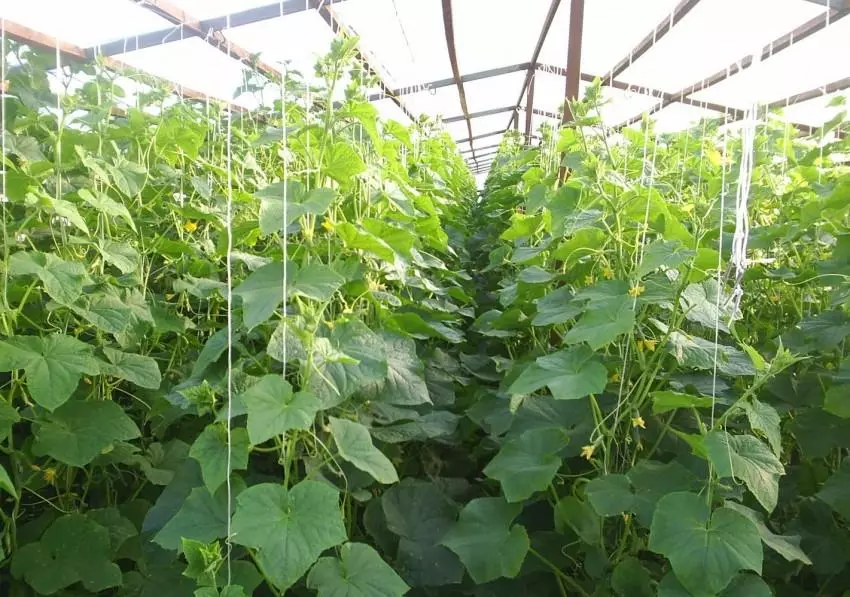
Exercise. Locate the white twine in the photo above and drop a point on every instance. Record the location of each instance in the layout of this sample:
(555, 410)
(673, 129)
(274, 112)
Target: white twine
(742, 220)
(229, 218)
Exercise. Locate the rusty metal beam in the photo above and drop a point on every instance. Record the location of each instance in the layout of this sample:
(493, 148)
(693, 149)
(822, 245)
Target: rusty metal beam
(663, 28)
(213, 37)
(535, 56)
(332, 19)
(573, 56)
(75, 53)
(482, 136)
(449, 28)
(529, 110)
(172, 34)
(439, 83)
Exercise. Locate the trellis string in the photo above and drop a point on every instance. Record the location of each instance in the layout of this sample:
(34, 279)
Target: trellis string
(229, 260)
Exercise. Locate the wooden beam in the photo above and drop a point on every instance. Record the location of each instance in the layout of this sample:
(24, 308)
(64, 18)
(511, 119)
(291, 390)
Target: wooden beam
(213, 37)
(535, 55)
(653, 37)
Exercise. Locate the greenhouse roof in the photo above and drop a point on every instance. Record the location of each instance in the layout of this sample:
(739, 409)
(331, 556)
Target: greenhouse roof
(483, 66)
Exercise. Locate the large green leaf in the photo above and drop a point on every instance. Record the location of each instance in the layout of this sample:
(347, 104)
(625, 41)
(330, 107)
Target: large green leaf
(788, 546)
(570, 374)
(486, 541)
(315, 281)
(63, 280)
(630, 579)
(580, 517)
(556, 307)
(355, 445)
(836, 491)
(273, 408)
(76, 432)
(421, 515)
(73, 549)
(288, 528)
(53, 365)
(298, 203)
(350, 359)
(355, 238)
(405, 382)
(706, 549)
(748, 459)
(666, 400)
(660, 253)
(359, 571)
(211, 451)
(342, 163)
(610, 495)
(200, 517)
(136, 368)
(765, 420)
(261, 293)
(602, 323)
(106, 312)
(107, 206)
(527, 463)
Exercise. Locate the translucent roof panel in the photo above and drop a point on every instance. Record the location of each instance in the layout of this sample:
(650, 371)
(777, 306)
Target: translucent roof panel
(493, 92)
(677, 117)
(813, 61)
(192, 63)
(488, 124)
(713, 35)
(612, 28)
(442, 101)
(83, 23)
(406, 38)
(458, 130)
(300, 39)
(389, 111)
(494, 33)
(619, 105)
(206, 9)
(819, 110)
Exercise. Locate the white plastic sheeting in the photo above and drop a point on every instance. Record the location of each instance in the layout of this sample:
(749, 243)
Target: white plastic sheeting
(404, 40)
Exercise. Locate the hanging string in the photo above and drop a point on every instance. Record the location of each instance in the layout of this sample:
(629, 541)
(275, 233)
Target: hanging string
(3, 197)
(742, 220)
(285, 239)
(229, 259)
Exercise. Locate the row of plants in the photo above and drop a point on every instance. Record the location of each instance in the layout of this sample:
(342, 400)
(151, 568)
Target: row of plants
(170, 424)
(647, 436)
(292, 352)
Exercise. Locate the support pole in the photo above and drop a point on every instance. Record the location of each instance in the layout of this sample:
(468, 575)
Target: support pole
(573, 66)
(529, 110)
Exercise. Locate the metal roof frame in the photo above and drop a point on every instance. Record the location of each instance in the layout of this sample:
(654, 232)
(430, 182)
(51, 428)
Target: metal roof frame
(448, 26)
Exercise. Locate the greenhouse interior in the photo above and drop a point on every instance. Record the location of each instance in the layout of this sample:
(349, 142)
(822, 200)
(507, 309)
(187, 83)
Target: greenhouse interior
(425, 298)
